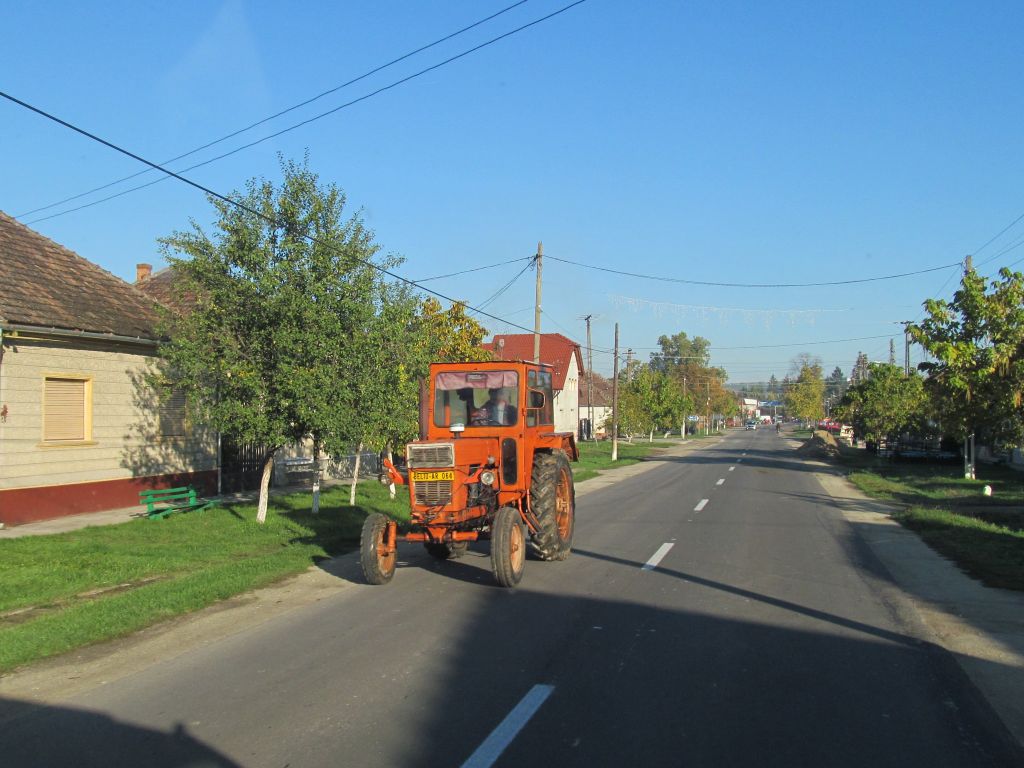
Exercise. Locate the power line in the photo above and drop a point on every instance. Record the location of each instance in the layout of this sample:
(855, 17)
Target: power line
(474, 269)
(261, 216)
(505, 287)
(292, 108)
(999, 234)
(791, 344)
(664, 279)
(290, 128)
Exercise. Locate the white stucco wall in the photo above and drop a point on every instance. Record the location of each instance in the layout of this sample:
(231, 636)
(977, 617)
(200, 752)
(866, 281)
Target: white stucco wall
(124, 440)
(567, 401)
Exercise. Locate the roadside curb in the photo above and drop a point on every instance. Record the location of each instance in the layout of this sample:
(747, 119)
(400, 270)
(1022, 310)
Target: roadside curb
(981, 627)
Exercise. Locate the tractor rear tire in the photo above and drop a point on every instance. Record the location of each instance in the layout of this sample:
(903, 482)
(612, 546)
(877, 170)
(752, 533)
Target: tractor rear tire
(443, 551)
(508, 547)
(378, 565)
(553, 503)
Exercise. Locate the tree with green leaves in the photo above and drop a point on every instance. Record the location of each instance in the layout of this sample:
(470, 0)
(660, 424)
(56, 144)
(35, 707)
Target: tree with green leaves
(650, 400)
(835, 384)
(805, 396)
(285, 306)
(977, 340)
(681, 353)
(886, 404)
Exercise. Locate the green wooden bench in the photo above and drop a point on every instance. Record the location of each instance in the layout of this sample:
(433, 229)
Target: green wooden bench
(165, 501)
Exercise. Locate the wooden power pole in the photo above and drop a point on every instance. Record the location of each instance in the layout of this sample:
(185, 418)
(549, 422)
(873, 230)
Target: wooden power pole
(536, 308)
(590, 380)
(615, 398)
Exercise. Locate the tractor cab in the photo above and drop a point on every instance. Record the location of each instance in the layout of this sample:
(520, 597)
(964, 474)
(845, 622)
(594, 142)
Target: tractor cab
(478, 399)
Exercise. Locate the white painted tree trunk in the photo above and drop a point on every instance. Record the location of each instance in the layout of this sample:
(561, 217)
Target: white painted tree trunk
(391, 483)
(268, 466)
(316, 478)
(650, 437)
(355, 476)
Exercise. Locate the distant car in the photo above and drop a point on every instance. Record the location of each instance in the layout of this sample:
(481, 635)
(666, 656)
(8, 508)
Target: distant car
(750, 425)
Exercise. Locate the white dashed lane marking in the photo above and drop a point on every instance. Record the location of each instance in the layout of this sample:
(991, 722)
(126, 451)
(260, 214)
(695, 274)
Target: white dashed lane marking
(492, 747)
(651, 564)
(700, 505)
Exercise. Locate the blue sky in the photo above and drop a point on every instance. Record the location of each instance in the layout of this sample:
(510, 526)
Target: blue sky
(720, 142)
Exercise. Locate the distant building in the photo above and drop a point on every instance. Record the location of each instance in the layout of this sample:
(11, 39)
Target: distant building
(563, 355)
(602, 409)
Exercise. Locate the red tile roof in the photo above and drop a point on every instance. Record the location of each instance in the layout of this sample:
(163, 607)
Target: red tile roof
(46, 285)
(555, 349)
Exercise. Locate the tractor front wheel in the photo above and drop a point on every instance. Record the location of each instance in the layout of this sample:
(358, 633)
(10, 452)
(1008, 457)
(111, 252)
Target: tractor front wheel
(553, 502)
(377, 551)
(508, 546)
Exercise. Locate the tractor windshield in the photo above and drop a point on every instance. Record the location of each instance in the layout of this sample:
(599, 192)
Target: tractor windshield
(476, 398)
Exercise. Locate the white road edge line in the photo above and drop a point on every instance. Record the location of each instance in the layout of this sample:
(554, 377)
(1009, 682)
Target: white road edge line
(492, 747)
(700, 505)
(657, 556)
(720, 481)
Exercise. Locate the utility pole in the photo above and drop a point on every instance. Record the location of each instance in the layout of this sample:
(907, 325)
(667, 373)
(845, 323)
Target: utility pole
(892, 352)
(969, 439)
(906, 351)
(686, 416)
(707, 418)
(590, 380)
(539, 260)
(615, 398)
(629, 363)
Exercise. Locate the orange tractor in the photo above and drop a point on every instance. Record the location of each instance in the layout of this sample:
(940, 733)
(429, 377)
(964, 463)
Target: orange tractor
(488, 465)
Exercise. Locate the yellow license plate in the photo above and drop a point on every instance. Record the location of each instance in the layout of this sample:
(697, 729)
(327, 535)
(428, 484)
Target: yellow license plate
(419, 477)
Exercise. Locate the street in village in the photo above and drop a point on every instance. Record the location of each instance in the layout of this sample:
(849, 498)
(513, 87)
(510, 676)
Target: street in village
(720, 607)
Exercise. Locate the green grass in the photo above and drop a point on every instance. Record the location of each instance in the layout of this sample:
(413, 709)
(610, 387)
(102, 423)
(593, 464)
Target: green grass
(984, 535)
(73, 589)
(992, 553)
(596, 456)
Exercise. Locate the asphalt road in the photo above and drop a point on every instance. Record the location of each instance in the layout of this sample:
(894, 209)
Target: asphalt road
(753, 632)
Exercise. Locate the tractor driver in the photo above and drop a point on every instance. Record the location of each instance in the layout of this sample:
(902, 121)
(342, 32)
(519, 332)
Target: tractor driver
(496, 411)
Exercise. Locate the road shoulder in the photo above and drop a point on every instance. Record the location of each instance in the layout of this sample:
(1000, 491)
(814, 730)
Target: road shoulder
(982, 627)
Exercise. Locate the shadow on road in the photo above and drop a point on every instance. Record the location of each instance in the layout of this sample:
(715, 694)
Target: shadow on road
(42, 735)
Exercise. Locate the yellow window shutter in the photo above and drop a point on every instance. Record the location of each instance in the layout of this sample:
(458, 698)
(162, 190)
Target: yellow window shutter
(172, 414)
(64, 416)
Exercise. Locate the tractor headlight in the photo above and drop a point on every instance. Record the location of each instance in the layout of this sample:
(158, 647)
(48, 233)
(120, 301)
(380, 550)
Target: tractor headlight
(487, 477)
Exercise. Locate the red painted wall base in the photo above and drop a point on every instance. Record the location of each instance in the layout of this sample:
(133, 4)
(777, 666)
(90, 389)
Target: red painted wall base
(27, 505)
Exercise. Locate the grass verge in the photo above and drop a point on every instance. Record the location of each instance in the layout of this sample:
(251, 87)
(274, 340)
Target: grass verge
(990, 552)
(73, 589)
(984, 535)
(597, 456)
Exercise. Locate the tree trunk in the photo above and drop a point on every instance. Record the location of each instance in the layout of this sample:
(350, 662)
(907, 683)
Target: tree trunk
(650, 437)
(268, 466)
(391, 483)
(355, 476)
(316, 477)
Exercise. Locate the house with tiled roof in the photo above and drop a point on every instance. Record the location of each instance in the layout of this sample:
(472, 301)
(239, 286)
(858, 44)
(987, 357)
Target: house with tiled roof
(81, 426)
(563, 355)
(599, 411)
